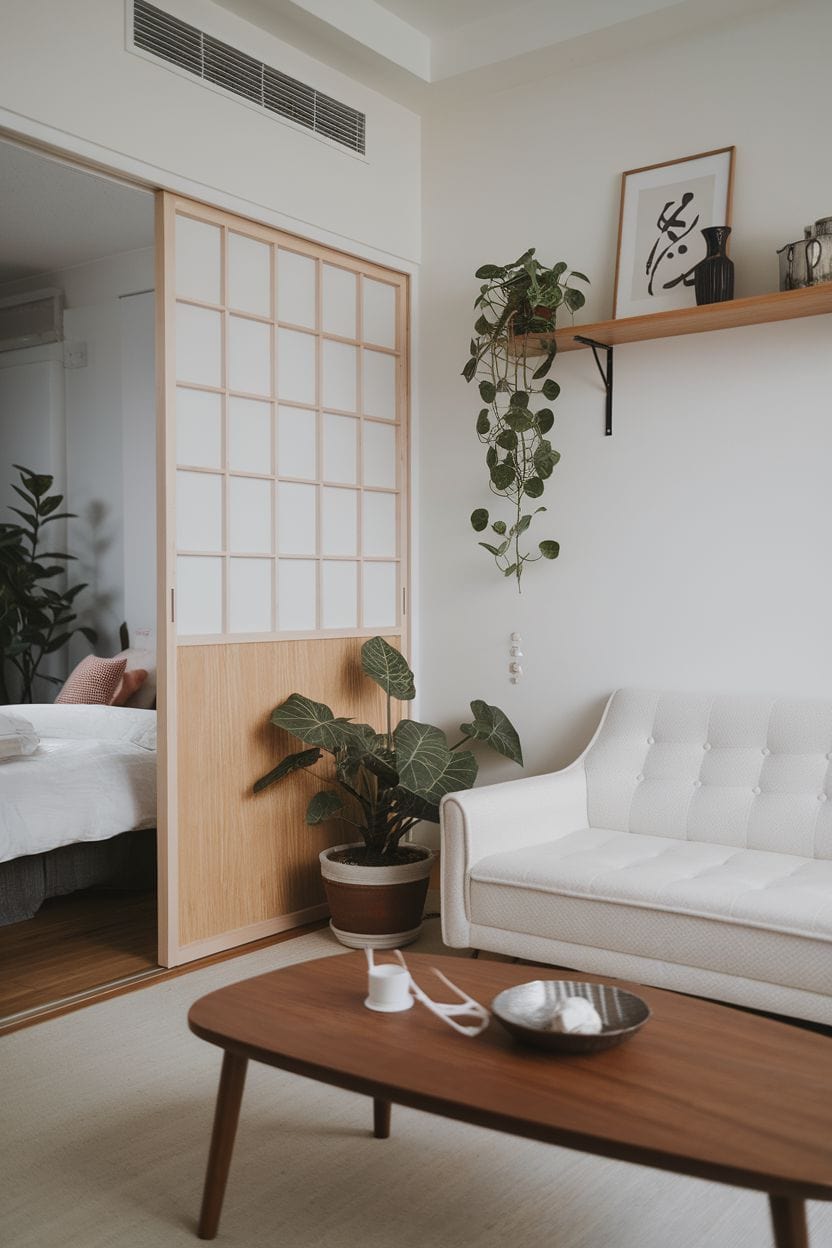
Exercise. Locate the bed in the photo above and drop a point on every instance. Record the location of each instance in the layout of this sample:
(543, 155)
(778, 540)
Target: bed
(78, 810)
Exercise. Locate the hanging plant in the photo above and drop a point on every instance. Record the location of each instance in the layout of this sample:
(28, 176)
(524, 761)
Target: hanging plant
(516, 302)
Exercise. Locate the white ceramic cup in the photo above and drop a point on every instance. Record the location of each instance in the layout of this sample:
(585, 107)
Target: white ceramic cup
(388, 989)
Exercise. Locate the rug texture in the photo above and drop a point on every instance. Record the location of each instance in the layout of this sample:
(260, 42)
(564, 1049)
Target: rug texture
(105, 1117)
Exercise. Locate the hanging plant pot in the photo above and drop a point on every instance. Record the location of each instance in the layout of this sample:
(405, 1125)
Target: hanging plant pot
(376, 907)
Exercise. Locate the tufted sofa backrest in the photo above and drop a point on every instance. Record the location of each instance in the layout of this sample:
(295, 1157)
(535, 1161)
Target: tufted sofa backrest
(752, 772)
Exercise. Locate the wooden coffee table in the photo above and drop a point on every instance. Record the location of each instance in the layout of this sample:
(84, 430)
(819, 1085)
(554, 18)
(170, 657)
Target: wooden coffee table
(703, 1089)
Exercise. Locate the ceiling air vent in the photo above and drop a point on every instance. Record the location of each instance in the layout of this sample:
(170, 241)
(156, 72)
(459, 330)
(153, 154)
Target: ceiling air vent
(181, 44)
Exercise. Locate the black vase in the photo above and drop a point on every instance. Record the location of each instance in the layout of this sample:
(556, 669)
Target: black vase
(714, 277)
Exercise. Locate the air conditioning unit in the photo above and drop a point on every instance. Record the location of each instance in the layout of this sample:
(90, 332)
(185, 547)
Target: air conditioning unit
(31, 319)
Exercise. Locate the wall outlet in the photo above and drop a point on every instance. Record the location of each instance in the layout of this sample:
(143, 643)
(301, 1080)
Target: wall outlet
(75, 355)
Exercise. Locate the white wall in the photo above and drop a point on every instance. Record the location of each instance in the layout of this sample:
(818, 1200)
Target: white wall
(65, 67)
(695, 542)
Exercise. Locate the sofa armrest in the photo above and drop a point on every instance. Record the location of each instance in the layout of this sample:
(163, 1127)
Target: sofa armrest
(479, 822)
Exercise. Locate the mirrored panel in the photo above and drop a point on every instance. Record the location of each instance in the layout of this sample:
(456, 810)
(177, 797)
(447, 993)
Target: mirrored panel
(297, 595)
(339, 293)
(198, 345)
(296, 294)
(199, 594)
(379, 311)
(249, 515)
(249, 435)
(297, 518)
(297, 454)
(338, 375)
(199, 511)
(198, 428)
(379, 384)
(379, 534)
(250, 595)
(339, 594)
(379, 454)
(296, 366)
(339, 521)
(249, 275)
(340, 448)
(198, 260)
(380, 595)
(249, 356)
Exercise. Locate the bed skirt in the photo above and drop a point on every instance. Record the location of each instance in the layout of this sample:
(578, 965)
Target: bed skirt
(127, 861)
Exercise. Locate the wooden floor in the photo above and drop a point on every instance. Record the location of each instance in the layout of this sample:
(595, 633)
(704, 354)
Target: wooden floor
(75, 944)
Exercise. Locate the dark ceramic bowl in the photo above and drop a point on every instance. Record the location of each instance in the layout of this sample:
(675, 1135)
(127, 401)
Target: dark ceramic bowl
(528, 1012)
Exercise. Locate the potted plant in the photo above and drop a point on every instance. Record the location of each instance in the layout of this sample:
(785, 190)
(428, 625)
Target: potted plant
(516, 302)
(382, 784)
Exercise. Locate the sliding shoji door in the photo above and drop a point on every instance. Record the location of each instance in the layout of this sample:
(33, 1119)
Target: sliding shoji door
(285, 515)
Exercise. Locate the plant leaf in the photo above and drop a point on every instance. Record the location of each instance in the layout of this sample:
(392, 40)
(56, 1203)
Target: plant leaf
(388, 668)
(483, 422)
(533, 487)
(488, 391)
(549, 550)
(426, 766)
(470, 368)
(551, 389)
(314, 723)
(324, 805)
(503, 475)
(582, 276)
(519, 399)
(494, 728)
(499, 526)
(292, 762)
(479, 519)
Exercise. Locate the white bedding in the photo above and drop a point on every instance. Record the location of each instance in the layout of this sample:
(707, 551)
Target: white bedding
(92, 776)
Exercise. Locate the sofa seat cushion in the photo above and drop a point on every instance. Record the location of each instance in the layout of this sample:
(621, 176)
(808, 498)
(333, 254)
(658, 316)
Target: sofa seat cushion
(764, 915)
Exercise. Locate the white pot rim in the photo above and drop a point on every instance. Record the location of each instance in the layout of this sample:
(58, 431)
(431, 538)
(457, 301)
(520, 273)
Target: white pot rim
(349, 873)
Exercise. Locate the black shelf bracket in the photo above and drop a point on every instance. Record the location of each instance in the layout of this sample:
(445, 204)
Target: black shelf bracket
(606, 375)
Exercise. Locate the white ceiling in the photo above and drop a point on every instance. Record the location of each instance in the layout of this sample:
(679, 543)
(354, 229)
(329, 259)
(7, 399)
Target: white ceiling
(55, 217)
(437, 17)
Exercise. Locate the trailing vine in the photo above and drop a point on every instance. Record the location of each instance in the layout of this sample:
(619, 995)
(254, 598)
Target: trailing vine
(517, 302)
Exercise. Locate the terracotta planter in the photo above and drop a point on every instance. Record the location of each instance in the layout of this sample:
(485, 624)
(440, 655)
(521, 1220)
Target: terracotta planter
(376, 907)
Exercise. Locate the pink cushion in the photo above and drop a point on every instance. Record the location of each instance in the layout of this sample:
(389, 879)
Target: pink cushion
(93, 682)
(142, 660)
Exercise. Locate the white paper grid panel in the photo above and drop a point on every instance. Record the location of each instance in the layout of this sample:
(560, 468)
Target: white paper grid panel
(297, 454)
(379, 313)
(198, 428)
(379, 454)
(379, 384)
(198, 345)
(339, 375)
(249, 515)
(249, 435)
(250, 596)
(340, 448)
(339, 521)
(339, 299)
(199, 594)
(297, 595)
(296, 371)
(199, 511)
(249, 356)
(379, 524)
(198, 260)
(249, 275)
(379, 607)
(339, 591)
(297, 507)
(296, 289)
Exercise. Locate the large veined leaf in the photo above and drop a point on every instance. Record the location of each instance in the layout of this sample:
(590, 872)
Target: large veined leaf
(315, 723)
(387, 667)
(324, 805)
(292, 762)
(426, 766)
(494, 727)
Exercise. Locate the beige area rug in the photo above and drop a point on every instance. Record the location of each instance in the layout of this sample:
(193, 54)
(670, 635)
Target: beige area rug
(105, 1116)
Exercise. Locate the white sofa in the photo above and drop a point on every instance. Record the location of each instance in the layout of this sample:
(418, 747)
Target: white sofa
(689, 847)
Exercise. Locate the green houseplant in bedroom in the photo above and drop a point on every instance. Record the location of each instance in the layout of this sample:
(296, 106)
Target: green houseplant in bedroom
(382, 784)
(517, 302)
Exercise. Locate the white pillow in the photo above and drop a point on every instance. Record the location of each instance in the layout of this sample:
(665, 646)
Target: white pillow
(97, 723)
(145, 695)
(17, 736)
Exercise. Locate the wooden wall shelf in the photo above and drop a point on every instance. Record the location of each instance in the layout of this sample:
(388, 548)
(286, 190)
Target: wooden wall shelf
(782, 305)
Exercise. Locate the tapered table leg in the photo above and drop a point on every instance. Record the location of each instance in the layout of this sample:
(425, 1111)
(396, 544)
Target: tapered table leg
(788, 1217)
(381, 1119)
(226, 1116)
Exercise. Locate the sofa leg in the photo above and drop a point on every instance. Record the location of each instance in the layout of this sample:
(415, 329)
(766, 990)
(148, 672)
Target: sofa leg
(475, 953)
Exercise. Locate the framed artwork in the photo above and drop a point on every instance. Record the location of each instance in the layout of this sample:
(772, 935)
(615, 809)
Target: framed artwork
(664, 209)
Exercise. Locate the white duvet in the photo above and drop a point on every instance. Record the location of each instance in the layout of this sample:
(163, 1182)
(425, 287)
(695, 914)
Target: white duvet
(92, 776)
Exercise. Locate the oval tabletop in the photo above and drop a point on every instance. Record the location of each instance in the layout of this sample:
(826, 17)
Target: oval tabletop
(703, 1089)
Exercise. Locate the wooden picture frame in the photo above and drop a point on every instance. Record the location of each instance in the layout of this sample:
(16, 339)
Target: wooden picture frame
(663, 208)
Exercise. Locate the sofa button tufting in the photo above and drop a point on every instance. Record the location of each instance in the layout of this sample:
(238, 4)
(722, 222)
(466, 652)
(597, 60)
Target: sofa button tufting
(697, 784)
(765, 750)
(651, 740)
(639, 777)
(706, 746)
(756, 789)
(821, 797)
